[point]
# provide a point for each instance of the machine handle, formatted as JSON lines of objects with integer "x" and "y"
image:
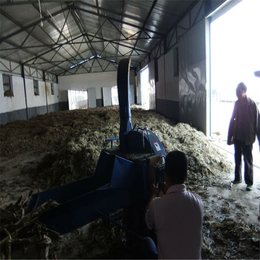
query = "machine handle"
{"x": 112, "y": 140}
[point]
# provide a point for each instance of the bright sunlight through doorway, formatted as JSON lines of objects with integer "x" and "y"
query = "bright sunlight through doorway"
{"x": 147, "y": 90}
{"x": 235, "y": 56}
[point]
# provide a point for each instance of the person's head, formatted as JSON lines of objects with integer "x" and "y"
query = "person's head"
{"x": 241, "y": 90}
{"x": 176, "y": 167}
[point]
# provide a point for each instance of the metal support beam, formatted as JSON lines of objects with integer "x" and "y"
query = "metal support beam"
{"x": 144, "y": 24}
{"x": 24, "y": 28}
{"x": 117, "y": 20}
{"x": 25, "y": 92}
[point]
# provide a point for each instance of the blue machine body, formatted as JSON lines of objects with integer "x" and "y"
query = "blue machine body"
{"x": 80, "y": 202}
{"x": 143, "y": 140}
{"x": 117, "y": 182}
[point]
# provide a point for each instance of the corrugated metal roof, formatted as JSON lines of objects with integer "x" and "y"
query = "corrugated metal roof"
{"x": 68, "y": 37}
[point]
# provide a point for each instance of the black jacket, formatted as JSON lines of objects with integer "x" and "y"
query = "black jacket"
{"x": 252, "y": 123}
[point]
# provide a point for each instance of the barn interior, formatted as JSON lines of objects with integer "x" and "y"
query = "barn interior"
{"x": 70, "y": 70}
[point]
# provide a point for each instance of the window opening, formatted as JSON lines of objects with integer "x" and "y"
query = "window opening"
{"x": 114, "y": 95}
{"x": 36, "y": 87}
{"x": 156, "y": 74}
{"x": 147, "y": 90}
{"x": 78, "y": 99}
{"x": 52, "y": 88}
{"x": 7, "y": 85}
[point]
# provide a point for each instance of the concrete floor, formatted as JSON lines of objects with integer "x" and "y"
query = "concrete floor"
{"x": 250, "y": 197}
{"x": 229, "y": 149}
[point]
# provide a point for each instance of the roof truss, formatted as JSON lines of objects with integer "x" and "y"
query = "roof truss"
{"x": 71, "y": 37}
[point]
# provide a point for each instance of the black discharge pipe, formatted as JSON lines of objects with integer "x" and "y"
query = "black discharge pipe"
{"x": 124, "y": 99}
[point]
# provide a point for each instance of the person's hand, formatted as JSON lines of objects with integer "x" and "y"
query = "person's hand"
{"x": 157, "y": 188}
{"x": 154, "y": 190}
{"x": 164, "y": 187}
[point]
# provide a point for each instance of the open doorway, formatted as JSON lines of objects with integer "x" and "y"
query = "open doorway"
{"x": 235, "y": 57}
{"x": 78, "y": 99}
{"x": 114, "y": 95}
{"x": 147, "y": 90}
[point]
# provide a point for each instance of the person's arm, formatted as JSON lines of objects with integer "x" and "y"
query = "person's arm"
{"x": 149, "y": 215}
{"x": 153, "y": 194}
{"x": 150, "y": 207}
{"x": 232, "y": 127}
{"x": 200, "y": 203}
{"x": 258, "y": 126}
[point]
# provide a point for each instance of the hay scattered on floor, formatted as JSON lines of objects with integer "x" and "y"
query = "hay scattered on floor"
{"x": 22, "y": 235}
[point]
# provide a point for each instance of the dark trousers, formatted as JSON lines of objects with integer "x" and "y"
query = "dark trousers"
{"x": 246, "y": 150}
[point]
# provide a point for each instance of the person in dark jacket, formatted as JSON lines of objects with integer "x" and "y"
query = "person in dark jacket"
{"x": 243, "y": 128}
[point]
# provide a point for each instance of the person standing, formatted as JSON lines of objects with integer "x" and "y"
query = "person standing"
{"x": 177, "y": 216}
{"x": 243, "y": 128}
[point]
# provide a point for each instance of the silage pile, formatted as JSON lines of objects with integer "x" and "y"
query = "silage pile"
{"x": 73, "y": 148}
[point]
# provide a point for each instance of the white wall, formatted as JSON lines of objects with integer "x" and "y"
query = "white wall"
{"x": 52, "y": 99}
{"x": 90, "y": 80}
{"x": 107, "y": 97}
{"x": 92, "y": 97}
{"x": 40, "y": 100}
{"x": 13, "y": 108}
{"x": 16, "y": 102}
{"x": 132, "y": 94}
{"x": 32, "y": 100}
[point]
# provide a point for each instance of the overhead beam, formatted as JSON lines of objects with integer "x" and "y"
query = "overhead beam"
{"x": 58, "y": 30}
{"x": 115, "y": 41}
{"x": 144, "y": 24}
{"x": 78, "y": 21}
{"x": 30, "y": 54}
{"x": 118, "y": 20}
{"x": 24, "y": 28}
{"x": 29, "y": 34}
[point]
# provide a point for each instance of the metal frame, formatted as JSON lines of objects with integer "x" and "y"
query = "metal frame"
{"x": 107, "y": 33}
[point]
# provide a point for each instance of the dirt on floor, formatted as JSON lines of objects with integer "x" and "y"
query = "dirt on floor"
{"x": 60, "y": 147}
